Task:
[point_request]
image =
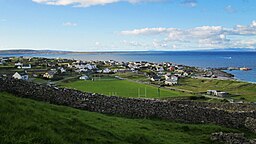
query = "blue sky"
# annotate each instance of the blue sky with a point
(109, 25)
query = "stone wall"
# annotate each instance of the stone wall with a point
(250, 123)
(183, 111)
(231, 138)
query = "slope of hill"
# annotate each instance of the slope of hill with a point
(29, 121)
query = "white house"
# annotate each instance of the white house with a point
(83, 70)
(167, 76)
(217, 93)
(106, 70)
(79, 66)
(84, 77)
(49, 74)
(155, 78)
(27, 66)
(160, 69)
(173, 80)
(62, 70)
(22, 76)
(90, 67)
(18, 64)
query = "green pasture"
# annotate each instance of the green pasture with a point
(27, 121)
(239, 90)
(122, 88)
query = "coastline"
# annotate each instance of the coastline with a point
(195, 59)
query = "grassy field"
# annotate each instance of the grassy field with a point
(133, 76)
(241, 89)
(29, 121)
(40, 81)
(122, 88)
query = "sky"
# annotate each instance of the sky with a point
(127, 25)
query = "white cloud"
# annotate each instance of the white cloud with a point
(253, 24)
(70, 24)
(87, 3)
(134, 43)
(230, 9)
(148, 31)
(97, 43)
(203, 36)
(189, 3)
(245, 30)
(159, 44)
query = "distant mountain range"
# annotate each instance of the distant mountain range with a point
(29, 51)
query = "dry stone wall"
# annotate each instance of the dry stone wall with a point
(182, 111)
(250, 123)
(231, 138)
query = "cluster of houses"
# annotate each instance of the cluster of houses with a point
(4, 60)
(167, 73)
(20, 65)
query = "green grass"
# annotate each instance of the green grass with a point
(133, 76)
(122, 88)
(241, 89)
(28, 121)
(40, 81)
(6, 66)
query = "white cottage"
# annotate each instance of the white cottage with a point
(173, 80)
(22, 76)
(84, 77)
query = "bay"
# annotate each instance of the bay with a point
(192, 58)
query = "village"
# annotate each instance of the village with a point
(50, 71)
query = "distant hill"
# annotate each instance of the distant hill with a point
(231, 49)
(28, 51)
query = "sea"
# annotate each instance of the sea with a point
(202, 59)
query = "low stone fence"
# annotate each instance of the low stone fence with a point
(182, 111)
(231, 138)
(250, 123)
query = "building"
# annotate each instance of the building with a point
(2, 61)
(217, 93)
(106, 70)
(172, 68)
(185, 74)
(173, 80)
(49, 74)
(160, 69)
(90, 67)
(26, 66)
(18, 65)
(22, 76)
(62, 70)
(84, 77)
(155, 78)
